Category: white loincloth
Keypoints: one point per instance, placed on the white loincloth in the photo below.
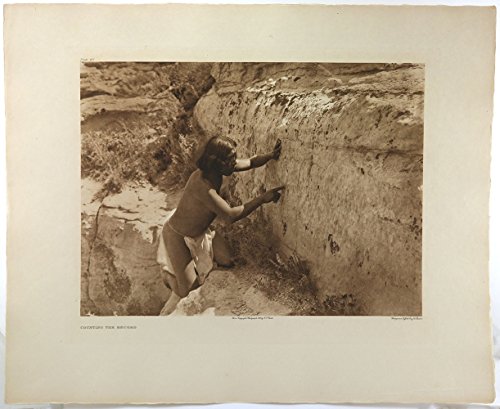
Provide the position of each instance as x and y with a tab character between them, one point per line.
200	248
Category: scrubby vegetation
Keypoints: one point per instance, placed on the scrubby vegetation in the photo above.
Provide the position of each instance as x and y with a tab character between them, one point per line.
154	143
284	279
135	154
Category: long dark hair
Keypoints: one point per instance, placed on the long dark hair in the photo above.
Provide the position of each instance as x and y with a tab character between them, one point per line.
216	154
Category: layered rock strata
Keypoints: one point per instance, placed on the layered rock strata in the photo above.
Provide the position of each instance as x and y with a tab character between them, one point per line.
352	163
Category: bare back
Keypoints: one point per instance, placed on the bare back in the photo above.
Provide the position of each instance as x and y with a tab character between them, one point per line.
193	216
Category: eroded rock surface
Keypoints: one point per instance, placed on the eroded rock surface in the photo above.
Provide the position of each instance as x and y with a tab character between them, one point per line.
120	275
352	164
125	92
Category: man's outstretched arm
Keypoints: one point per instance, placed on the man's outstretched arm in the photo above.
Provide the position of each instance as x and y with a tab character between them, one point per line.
257	161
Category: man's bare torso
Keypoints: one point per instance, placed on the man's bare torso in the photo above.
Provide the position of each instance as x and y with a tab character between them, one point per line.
193	216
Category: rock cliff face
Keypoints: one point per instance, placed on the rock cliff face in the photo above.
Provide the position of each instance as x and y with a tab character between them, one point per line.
120	275
352	163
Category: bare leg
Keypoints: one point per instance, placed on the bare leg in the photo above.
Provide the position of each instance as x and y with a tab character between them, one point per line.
222	253
170	281
174	298
171	304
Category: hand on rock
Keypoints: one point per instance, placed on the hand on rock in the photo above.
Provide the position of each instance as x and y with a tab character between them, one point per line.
273	195
277	150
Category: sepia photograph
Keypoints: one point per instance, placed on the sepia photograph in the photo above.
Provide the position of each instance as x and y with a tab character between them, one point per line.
203	195
251	189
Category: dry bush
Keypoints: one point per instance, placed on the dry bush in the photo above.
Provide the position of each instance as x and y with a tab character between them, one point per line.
340	304
151	147
284	279
131	154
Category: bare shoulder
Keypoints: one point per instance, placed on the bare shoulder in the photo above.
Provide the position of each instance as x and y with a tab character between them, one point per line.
197	186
